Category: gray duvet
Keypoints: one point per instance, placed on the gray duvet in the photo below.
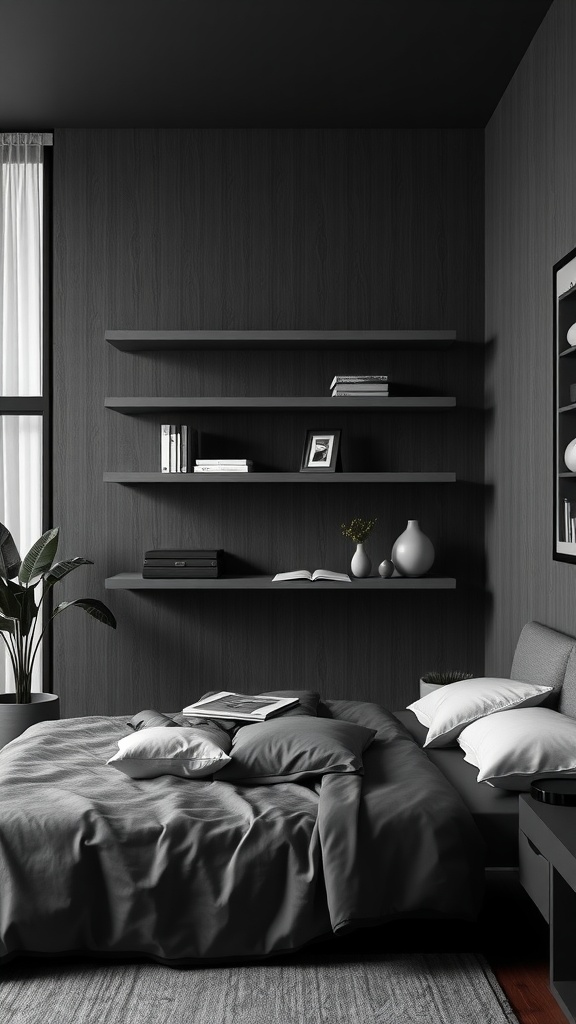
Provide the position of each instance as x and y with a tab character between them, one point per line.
180	870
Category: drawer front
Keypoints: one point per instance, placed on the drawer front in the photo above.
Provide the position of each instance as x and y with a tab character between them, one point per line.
534	875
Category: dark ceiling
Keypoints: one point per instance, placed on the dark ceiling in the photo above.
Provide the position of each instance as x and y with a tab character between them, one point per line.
259	63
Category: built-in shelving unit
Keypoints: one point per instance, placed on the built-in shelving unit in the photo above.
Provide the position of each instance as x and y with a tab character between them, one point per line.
335	405
165	341
280	478
135	581
564	375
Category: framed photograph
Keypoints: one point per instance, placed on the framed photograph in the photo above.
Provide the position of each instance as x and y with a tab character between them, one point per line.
321	450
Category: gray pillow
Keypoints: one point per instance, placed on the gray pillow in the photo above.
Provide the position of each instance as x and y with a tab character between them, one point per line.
294	749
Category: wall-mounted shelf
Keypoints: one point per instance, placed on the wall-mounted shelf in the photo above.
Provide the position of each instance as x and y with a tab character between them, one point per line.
165	341
279	478
135	581
336	405
564	429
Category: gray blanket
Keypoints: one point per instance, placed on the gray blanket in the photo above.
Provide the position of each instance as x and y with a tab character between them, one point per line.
185	870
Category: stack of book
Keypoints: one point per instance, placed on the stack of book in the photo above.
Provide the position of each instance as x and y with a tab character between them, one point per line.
368	386
241	706
178	447
569	523
170	564
223	466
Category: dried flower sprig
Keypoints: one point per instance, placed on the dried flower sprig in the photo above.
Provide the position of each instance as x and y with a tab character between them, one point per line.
358	529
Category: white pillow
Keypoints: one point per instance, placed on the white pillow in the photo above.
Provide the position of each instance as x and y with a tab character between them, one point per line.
188	753
510	750
447	710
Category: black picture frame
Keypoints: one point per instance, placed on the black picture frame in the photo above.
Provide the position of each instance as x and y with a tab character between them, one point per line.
564	410
321	452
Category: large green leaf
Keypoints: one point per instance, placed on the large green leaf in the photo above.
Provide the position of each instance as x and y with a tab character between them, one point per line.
9	603
96	609
40	556
61	569
9	557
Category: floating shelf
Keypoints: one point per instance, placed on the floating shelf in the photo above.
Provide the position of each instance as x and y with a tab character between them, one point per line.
279	478
135	581
336	405
567	408
567	351
165	341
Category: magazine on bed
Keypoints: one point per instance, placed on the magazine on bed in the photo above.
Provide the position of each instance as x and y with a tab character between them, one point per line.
239	705
318	574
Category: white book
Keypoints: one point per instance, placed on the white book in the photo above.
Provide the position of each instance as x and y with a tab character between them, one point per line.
366	378
223	462
240	706
223	468
318	574
165	447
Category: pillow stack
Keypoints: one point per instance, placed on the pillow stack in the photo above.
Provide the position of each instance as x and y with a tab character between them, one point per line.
502	731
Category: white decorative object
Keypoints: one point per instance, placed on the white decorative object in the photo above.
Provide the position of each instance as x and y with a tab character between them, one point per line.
570	456
413	551
386	568
360	564
571	336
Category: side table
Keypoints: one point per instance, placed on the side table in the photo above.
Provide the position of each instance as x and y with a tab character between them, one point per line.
547	857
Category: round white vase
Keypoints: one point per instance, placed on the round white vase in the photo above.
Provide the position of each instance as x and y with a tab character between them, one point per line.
413	551
571	336
360	564
570	456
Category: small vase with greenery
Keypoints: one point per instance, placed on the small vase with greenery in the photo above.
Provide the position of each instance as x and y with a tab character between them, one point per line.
20	605
358	530
432	680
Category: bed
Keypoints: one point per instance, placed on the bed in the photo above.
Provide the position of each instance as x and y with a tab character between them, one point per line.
186	871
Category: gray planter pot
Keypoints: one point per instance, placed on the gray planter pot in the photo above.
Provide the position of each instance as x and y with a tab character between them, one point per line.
426	688
16	718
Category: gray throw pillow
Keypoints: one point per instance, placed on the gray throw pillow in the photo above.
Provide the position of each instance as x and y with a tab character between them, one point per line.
294	749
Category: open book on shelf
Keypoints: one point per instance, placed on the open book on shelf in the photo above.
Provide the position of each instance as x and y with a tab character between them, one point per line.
240	706
318	574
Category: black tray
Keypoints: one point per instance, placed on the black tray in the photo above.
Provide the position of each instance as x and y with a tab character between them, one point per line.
555	791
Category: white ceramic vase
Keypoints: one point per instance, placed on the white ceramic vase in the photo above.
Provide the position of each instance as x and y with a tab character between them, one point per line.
570	456
413	551
571	336
360	564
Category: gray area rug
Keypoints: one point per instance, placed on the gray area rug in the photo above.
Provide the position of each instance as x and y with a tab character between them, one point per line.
399	989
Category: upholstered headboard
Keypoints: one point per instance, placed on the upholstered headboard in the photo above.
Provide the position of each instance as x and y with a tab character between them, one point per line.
544	655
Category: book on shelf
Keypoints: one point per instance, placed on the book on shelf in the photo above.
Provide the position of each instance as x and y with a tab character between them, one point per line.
344	391
178	447
243	707
223	462
223	468
169	564
364	379
318	574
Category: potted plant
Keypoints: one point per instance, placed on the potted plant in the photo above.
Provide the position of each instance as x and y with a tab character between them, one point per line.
432	680
20	607
358	530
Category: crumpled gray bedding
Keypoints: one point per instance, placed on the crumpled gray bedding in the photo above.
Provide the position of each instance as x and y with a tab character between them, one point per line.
178	870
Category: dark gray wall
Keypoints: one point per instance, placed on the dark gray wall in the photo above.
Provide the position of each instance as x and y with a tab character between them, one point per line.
264	229
530	224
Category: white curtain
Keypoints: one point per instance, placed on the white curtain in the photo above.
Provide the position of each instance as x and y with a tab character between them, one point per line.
21	346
